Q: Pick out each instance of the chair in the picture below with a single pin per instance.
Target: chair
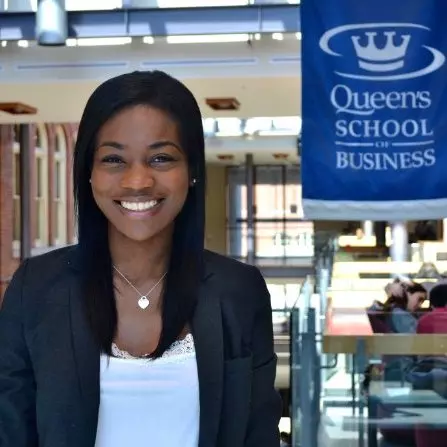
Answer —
(401, 435)
(430, 437)
(378, 322)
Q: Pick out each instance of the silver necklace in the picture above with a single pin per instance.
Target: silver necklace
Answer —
(144, 301)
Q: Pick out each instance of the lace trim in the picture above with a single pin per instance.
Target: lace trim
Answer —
(178, 348)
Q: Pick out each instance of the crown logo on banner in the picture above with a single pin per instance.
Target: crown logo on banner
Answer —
(388, 58)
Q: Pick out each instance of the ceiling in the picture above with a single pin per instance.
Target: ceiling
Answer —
(263, 75)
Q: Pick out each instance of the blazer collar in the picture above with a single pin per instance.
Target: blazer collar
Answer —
(208, 338)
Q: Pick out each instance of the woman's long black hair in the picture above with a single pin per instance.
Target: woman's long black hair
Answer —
(159, 90)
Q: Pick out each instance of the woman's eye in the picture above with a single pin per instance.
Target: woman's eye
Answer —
(161, 159)
(112, 159)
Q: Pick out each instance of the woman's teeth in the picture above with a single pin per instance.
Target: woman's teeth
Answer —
(139, 206)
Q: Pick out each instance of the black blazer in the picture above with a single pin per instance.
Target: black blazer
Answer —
(49, 362)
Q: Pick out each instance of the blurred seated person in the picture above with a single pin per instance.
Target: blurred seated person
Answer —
(431, 372)
(349, 229)
(393, 288)
(404, 301)
(400, 315)
(435, 322)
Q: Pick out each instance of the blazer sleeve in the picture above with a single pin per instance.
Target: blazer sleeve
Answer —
(266, 406)
(17, 387)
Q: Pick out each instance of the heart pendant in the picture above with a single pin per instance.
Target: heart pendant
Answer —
(143, 302)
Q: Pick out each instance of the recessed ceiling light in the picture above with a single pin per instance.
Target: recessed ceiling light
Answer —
(17, 108)
(225, 157)
(222, 104)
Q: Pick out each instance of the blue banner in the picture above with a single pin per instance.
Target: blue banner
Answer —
(374, 109)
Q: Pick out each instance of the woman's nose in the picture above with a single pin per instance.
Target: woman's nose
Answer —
(138, 177)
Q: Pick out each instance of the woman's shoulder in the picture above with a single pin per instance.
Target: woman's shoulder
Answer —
(236, 281)
(240, 286)
(231, 268)
(65, 255)
(40, 278)
(46, 267)
(399, 311)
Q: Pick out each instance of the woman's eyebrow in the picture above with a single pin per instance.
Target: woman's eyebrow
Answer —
(152, 146)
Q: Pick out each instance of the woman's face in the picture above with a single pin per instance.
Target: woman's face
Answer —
(415, 300)
(140, 176)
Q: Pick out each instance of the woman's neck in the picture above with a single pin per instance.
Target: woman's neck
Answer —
(141, 261)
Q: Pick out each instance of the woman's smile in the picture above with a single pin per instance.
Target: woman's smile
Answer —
(140, 209)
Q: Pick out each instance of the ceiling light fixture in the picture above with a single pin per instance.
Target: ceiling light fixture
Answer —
(51, 23)
(185, 3)
(223, 104)
(98, 41)
(280, 156)
(225, 157)
(277, 133)
(148, 40)
(17, 108)
(208, 38)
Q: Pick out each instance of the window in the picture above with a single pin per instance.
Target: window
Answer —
(41, 188)
(279, 227)
(60, 189)
(16, 193)
(16, 133)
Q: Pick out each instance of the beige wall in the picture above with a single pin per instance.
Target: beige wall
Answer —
(216, 209)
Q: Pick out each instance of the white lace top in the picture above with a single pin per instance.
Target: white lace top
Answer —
(150, 402)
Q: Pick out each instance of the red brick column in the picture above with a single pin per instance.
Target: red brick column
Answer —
(7, 263)
(70, 134)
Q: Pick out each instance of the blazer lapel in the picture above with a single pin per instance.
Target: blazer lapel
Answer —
(87, 359)
(208, 339)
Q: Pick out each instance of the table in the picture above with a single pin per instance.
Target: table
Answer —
(345, 329)
(424, 403)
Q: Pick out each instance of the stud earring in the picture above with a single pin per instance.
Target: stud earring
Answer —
(193, 181)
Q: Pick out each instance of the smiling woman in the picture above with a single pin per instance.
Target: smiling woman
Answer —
(158, 341)
(140, 179)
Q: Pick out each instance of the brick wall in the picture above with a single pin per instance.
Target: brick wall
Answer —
(71, 131)
(8, 262)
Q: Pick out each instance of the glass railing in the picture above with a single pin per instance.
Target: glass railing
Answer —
(386, 387)
(380, 388)
(288, 350)
(310, 367)
(88, 5)
(352, 381)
